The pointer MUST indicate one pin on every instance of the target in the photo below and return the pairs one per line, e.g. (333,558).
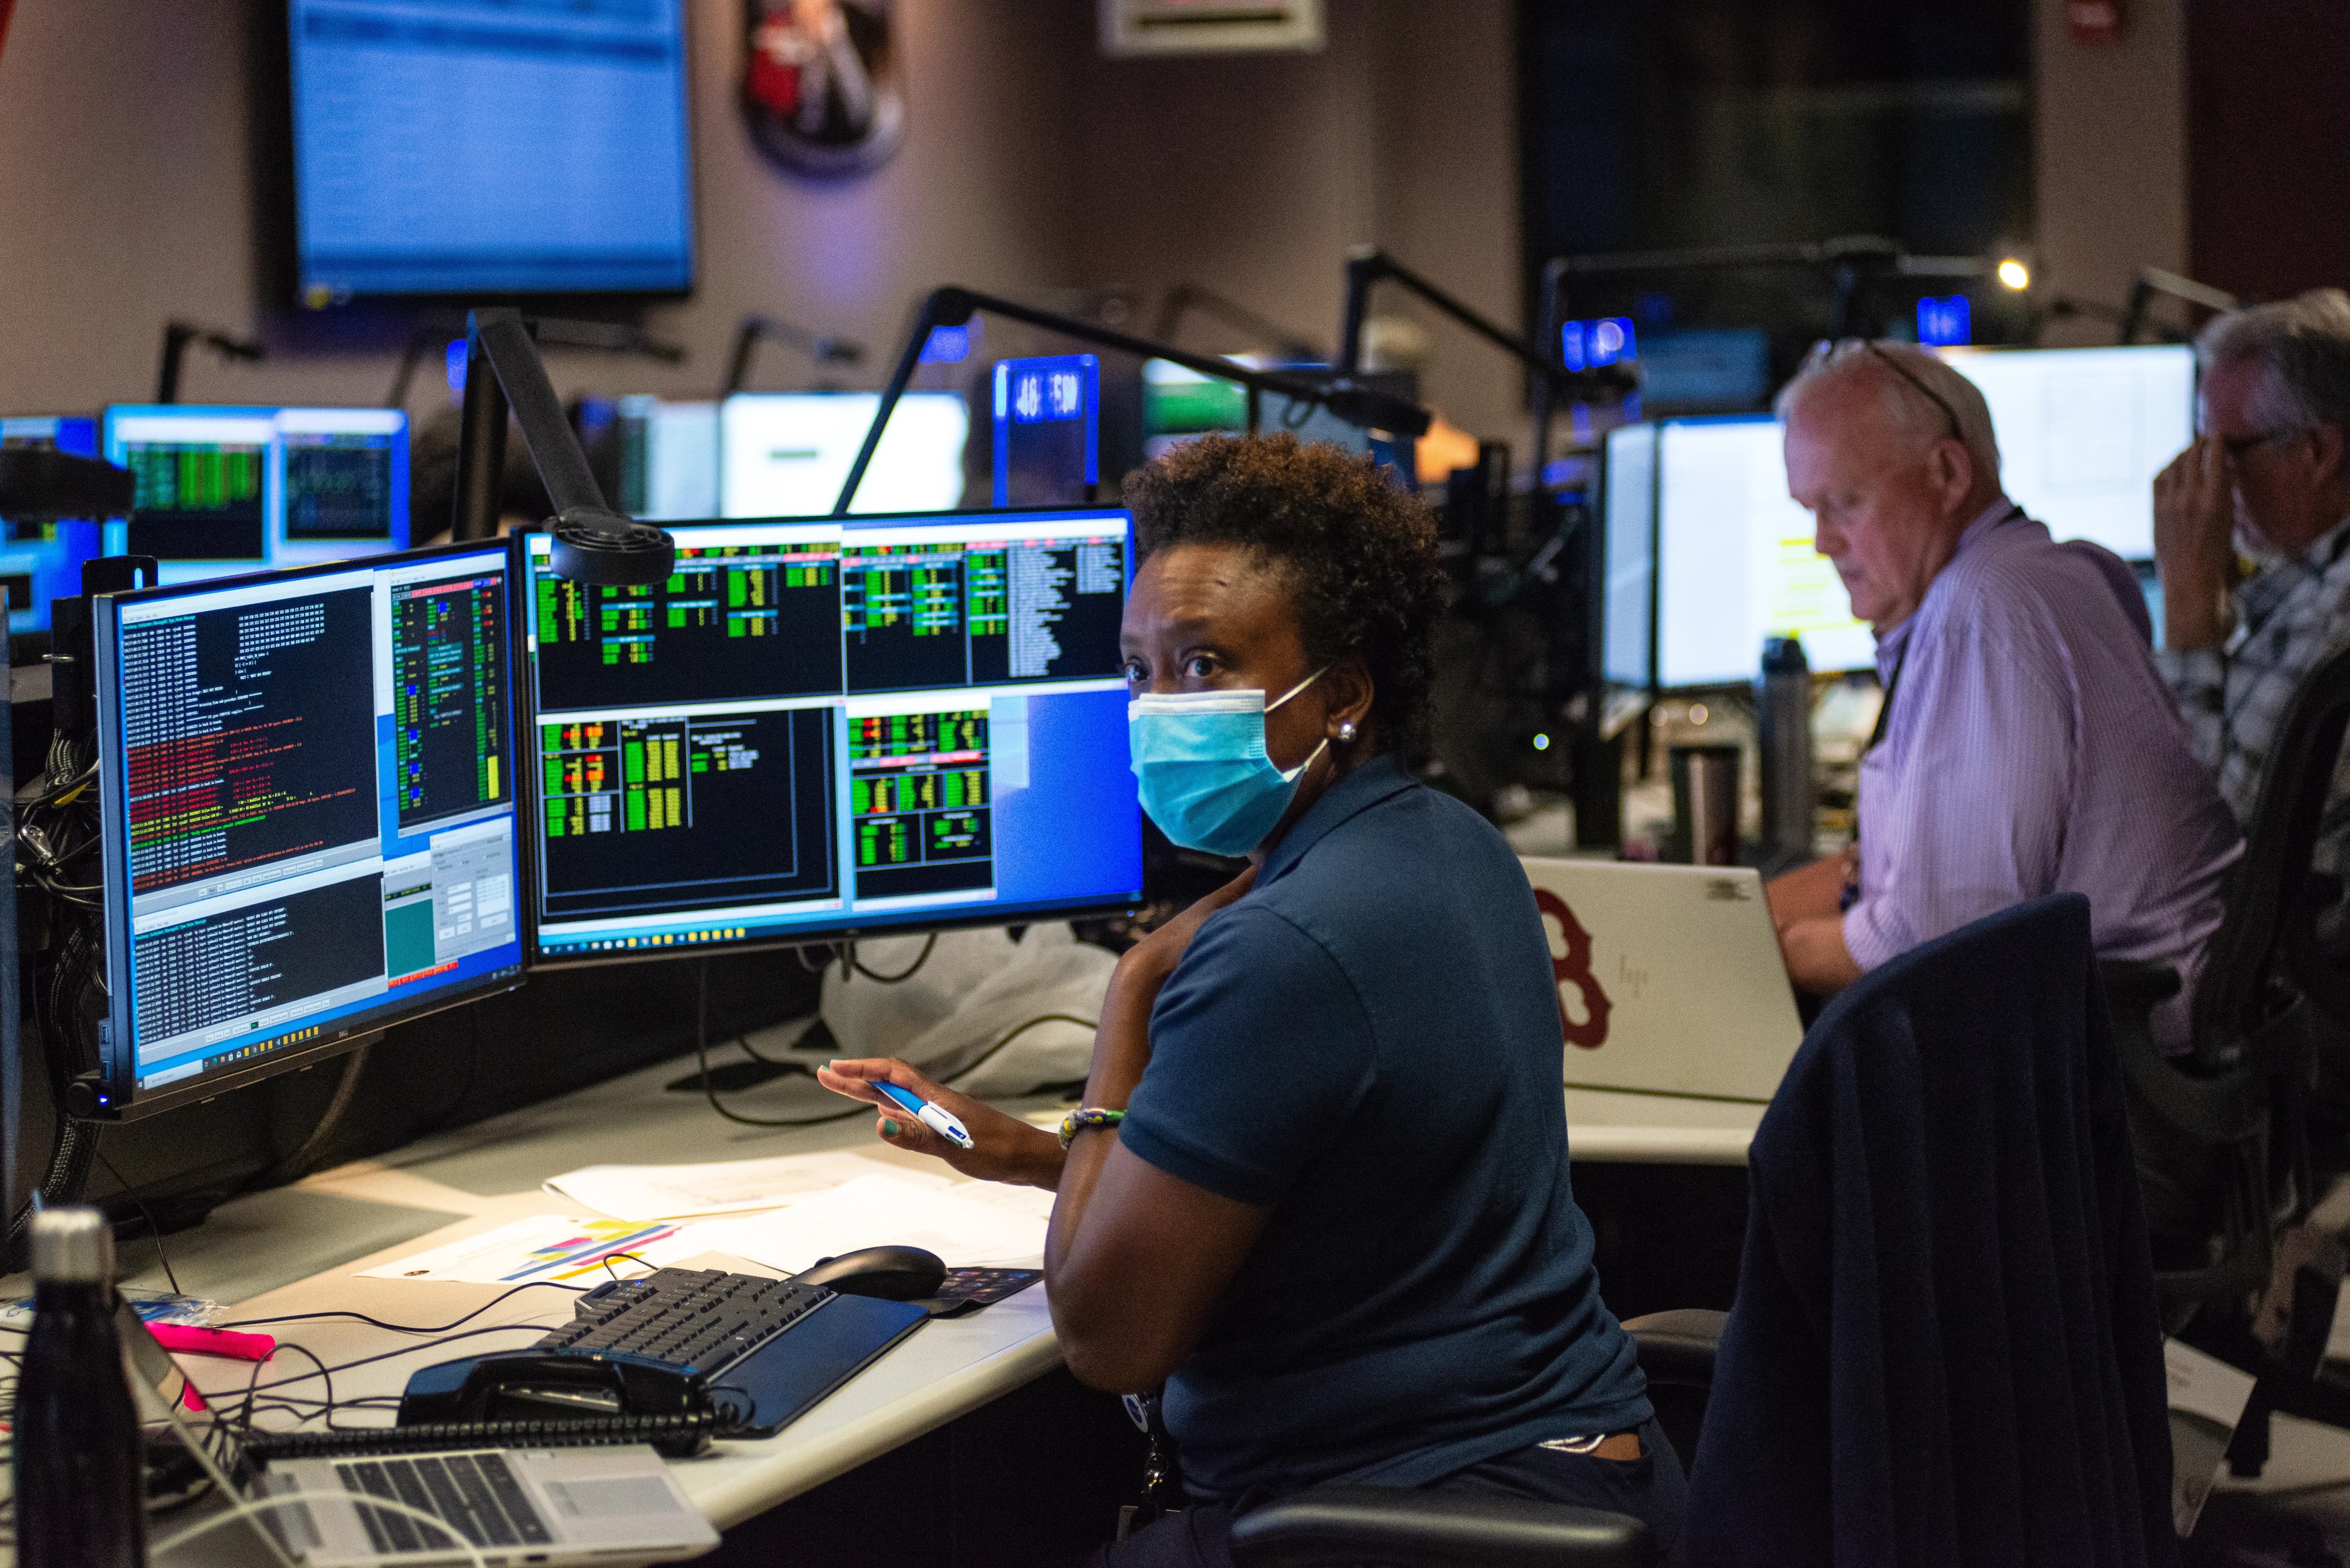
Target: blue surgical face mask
(1199,759)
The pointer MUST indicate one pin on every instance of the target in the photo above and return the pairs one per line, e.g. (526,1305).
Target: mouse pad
(974,1288)
(784,1379)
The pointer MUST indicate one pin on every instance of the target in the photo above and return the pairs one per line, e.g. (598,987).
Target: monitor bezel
(118,1053)
(813,936)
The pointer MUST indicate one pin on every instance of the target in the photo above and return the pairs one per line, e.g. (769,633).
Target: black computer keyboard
(699,1322)
(678,1434)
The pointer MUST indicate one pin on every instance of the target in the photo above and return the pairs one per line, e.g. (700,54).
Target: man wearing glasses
(2268,475)
(2027,745)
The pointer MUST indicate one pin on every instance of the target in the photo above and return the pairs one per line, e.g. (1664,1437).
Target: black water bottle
(80,1480)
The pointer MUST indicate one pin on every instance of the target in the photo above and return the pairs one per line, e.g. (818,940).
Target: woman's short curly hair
(1359,553)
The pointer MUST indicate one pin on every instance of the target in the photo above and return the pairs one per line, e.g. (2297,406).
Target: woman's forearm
(1121,1051)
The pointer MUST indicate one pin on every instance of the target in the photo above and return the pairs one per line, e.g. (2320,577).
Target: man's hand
(1817,960)
(1008,1149)
(2194,544)
(1811,892)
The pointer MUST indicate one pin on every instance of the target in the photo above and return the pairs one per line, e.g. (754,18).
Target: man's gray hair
(1909,381)
(2303,345)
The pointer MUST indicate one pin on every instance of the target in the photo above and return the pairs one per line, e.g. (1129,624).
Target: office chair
(1922,1089)
(2222,1133)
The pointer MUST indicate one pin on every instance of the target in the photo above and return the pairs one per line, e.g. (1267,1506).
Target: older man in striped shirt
(2028,745)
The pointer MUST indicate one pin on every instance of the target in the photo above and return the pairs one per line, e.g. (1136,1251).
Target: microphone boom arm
(951,307)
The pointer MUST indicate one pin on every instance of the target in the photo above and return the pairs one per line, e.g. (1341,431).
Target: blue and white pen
(932,1116)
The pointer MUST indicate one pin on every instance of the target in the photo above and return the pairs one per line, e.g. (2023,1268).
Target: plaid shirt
(2289,618)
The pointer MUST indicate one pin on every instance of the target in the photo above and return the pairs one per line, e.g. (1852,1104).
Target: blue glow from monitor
(1945,322)
(42,561)
(949,344)
(1048,429)
(1589,345)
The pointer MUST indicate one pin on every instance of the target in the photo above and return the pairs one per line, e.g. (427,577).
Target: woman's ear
(1349,697)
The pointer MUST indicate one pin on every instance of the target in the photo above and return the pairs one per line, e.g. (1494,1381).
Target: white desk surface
(301,1249)
(1618,1127)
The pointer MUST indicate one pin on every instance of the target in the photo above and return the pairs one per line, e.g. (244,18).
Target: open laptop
(551,1506)
(1669,978)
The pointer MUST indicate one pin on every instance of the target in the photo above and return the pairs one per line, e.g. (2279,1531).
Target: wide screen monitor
(2083,431)
(489,147)
(40,559)
(1628,517)
(1736,563)
(307,787)
(815,729)
(233,490)
(786,454)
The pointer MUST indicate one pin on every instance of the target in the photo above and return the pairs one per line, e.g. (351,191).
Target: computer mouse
(890,1273)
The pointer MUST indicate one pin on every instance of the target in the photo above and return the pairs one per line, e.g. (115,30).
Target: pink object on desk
(213,1341)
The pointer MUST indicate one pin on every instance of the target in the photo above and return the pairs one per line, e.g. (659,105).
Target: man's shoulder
(2027,584)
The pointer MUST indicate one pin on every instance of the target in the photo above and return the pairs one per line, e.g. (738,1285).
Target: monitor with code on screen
(309,796)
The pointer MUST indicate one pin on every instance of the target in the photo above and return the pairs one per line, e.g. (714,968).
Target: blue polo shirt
(1368,1045)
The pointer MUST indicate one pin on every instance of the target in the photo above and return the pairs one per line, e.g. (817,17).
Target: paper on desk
(966,1225)
(729,1187)
(544,1247)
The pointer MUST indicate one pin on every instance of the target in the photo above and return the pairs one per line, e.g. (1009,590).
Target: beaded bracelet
(1078,1120)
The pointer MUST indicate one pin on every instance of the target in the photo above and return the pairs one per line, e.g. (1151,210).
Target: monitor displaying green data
(816,728)
(226,490)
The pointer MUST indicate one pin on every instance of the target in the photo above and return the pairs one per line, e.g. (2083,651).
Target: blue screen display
(490,146)
(40,561)
(1048,430)
(820,727)
(309,797)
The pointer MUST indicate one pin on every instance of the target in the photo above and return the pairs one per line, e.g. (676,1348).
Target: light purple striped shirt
(2033,749)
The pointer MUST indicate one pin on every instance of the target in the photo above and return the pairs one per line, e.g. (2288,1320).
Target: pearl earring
(1345,731)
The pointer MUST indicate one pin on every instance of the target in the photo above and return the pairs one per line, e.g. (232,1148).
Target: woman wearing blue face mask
(1319,1184)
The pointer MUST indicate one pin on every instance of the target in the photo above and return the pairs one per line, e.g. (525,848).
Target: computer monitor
(1734,560)
(2083,431)
(818,728)
(1180,403)
(482,147)
(40,559)
(786,454)
(669,459)
(232,490)
(1628,489)
(308,785)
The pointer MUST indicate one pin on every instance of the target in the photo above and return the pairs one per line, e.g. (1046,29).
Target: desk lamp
(819,347)
(593,544)
(548,332)
(1339,391)
(179,335)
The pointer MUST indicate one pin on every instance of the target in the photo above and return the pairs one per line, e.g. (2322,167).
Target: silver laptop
(536,1505)
(1669,978)
(552,1506)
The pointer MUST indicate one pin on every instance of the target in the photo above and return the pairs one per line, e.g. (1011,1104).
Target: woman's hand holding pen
(1003,1147)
